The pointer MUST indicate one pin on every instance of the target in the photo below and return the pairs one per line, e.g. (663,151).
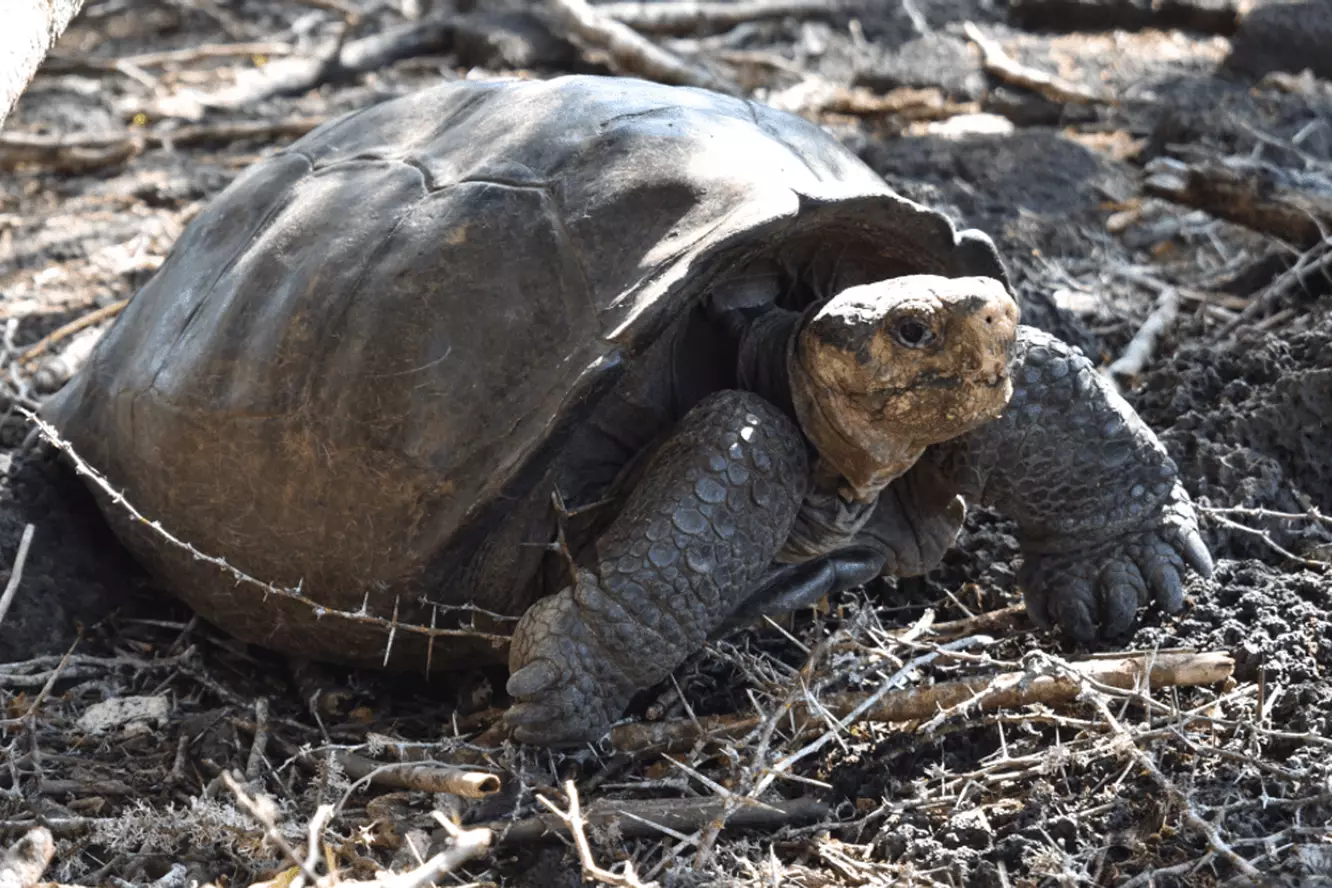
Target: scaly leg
(695,537)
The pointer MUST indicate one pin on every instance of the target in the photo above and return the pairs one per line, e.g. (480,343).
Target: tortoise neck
(763,356)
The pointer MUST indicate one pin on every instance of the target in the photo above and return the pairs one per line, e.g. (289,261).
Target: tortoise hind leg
(695,537)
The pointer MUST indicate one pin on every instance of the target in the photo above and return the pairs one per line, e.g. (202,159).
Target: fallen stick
(74,326)
(297,75)
(420,776)
(629,51)
(63,64)
(1002,691)
(1293,206)
(642,819)
(75,154)
(1313,263)
(573,822)
(1008,69)
(31,29)
(16,572)
(689,16)
(1143,344)
(1004,621)
(815,95)
(26,860)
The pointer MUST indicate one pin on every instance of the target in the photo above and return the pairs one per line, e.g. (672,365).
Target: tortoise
(583,371)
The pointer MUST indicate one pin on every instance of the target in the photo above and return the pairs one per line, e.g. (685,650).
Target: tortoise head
(883,370)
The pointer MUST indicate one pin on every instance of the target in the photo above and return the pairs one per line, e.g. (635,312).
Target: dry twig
(420,776)
(1191,816)
(688,16)
(573,821)
(987,692)
(1143,344)
(631,52)
(652,818)
(16,572)
(69,64)
(1008,69)
(74,326)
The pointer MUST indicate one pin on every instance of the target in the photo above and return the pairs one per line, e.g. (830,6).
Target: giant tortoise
(619,363)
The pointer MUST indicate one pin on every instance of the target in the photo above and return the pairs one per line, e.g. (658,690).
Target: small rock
(962,125)
(970,829)
(108,714)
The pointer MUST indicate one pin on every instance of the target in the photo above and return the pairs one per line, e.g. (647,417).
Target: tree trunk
(31,29)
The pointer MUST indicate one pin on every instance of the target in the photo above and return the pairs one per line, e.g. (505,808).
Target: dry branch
(1143,345)
(16,573)
(23,864)
(296,75)
(689,16)
(642,819)
(66,64)
(1003,691)
(31,29)
(1294,206)
(573,821)
(1004,621)
(93,317)
(420,776)
(1008,69)
(816,95)
(76,154)
(629,51)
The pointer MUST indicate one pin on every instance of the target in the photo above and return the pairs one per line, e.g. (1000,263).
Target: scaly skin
(1105,525)
(695,536)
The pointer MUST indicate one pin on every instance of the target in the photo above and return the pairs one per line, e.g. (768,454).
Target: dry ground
(1228,782)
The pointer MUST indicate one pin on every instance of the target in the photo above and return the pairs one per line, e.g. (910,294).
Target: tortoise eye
(913,333)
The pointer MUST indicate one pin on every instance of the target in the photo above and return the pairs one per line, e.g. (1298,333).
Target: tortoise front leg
(1104,523)
(695,537)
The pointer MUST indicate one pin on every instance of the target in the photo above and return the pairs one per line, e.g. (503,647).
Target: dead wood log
(692,16)
(31,29)
(76,154)
(641,819)
(1002,691)
(1001,65)
(25,861)
(629,51)
(1293,206)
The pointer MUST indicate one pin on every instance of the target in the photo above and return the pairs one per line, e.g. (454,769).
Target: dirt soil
(1227,783)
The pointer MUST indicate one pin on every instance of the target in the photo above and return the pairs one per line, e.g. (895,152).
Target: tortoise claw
(1098,591)
(535,677)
